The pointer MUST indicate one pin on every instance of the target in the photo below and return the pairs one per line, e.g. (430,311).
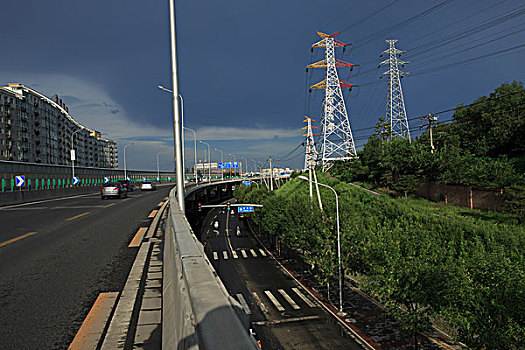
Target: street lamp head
(303,178)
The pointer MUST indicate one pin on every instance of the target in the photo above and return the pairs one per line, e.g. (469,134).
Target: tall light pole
(176,119)
(254,165)
(338,244)
(125,171)
(182,125)
(195,152)
(73,155)
(158,171)
(222,161)
(246,165)
(209,160)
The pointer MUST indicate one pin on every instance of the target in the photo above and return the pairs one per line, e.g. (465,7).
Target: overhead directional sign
(245,209)
(76,180)
(246,183)
(106,179)
(228,165)
(20,181)
(235,164)
(220,165)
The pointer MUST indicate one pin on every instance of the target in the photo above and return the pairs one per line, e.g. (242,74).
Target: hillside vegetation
(423,261)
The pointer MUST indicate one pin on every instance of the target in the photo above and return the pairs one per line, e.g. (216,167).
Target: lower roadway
(283,314)
(56,256)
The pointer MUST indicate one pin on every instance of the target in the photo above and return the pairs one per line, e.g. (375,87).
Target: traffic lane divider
(77,216)
(137,239)
(91,330)
(12,240)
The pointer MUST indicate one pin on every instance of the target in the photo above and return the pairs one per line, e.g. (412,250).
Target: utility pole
(336,140)
(430,118)
(309,159)
(396,113)
(271,174)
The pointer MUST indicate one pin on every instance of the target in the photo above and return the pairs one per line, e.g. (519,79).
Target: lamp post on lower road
(231,169)
(209,160)
(338,244)
(222,161)
(246,165)
(73,156)
(125,171)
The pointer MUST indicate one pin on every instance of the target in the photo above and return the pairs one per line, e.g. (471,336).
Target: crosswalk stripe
(215,256)
(302,296)
(225,254)
(288,299)
(234,253)
(274,300)
(263,253)
(253,253)
(244,253)
(243,304)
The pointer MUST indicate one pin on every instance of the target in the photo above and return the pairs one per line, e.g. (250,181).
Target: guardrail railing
(197,312)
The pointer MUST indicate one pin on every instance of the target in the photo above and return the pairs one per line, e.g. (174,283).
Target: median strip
(77,216)
(89,334)
(12,240)
(135,242)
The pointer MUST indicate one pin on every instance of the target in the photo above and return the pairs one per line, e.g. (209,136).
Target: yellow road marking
(108,205)
(165,198)
(152,214)
(93,326)
(77,216)
(17,238)
(135,242)
(160,204)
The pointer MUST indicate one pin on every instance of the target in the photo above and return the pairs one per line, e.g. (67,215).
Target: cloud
(232,133)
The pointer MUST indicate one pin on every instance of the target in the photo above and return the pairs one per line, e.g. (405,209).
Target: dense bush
(421,261)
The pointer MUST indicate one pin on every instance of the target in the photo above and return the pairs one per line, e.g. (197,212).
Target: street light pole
(222,161)
(209,160)
(73,156)
(338,244)
(176,119)
(231,169)
(246,166)
(125,171)
(158,171)
(195,152)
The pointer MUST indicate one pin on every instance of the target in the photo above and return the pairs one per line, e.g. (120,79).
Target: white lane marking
(253,253)
(259,303)
(48,200)
(215,217)
(225,254)
(263,253)
(274,300)
(244,255)
(302,296)
(234,253)
(215,256)
(288,299)
(243,304)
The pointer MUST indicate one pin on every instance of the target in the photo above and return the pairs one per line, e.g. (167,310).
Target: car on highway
(128,185)
(113,189)
(148,186)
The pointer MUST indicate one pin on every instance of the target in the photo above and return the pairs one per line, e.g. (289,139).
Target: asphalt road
(283,315)
(56,256)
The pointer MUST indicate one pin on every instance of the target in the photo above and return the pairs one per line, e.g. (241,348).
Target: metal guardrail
(197,312)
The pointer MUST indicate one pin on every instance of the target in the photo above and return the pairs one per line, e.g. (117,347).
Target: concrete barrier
(197,312)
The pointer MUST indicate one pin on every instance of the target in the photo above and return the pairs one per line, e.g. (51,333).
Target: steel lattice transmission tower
(310,155)
(336,141)
(396,114)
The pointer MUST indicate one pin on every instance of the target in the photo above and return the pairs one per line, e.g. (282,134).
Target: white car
(148,186)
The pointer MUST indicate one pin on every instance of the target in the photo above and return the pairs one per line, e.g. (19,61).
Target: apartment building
(38,129)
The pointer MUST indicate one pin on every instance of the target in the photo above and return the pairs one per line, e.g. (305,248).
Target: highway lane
(282,313)
(56,256)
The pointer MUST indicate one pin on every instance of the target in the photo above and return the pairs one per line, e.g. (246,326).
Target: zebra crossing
(279,299)
(245,253)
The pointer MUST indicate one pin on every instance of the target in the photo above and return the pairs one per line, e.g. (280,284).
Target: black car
(128,185)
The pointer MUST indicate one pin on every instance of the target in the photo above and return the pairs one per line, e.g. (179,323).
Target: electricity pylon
(336,140)
(396,114)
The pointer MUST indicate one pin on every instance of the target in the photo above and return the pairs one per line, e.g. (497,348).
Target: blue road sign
(245,209)
(106,179)
(220,165)
(20,181)
(246,183)
(143,179)
(228,165)
(76,180)
(235,164)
